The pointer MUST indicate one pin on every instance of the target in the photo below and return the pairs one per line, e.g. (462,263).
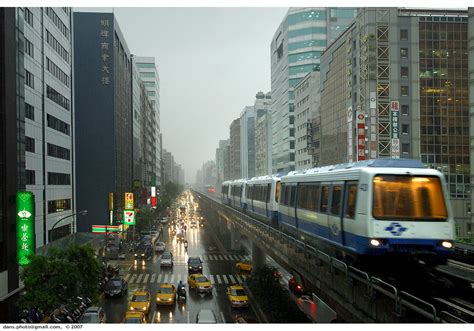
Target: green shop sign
(25,226)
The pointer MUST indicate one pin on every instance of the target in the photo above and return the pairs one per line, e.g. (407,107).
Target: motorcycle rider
(181,290)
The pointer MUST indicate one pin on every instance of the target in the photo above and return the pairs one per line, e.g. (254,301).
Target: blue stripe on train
(273,215)
(360,244)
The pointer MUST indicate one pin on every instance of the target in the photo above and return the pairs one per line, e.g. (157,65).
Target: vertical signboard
(153,197)
(360,136)
(128,200)
(395,143)
(105,51)
(111,208)
(129,217)
(25,226)
(350,136)
(373,125)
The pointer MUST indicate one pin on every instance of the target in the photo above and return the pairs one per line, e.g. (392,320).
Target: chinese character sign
(360,136)
(104,48)
(128,200)
(395,113)
(25,226)
(129,217)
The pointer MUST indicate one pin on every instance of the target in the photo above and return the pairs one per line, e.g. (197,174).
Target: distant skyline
(211,63)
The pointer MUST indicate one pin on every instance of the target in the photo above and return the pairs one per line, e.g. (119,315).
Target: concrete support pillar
(235,243)
(258,257)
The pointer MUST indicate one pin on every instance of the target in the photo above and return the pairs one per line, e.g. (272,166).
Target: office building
(104,118)
(220,160)
(295,50)
(234,150)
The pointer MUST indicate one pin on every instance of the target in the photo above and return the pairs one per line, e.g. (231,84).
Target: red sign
(153,201)
(360,136)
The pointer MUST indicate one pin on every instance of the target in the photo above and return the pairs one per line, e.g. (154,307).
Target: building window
(59,152)
(57,72)
(56,178)
(57,124)
(404,91)
(405,148)
(57,46)
(57,97)
(29,144)
(30,177)
(29,49)
(28,16)
(57,21)
(29,111)
(403,34)
(404,72)
(405,109)
(56,206)
(404,53)
(405,129)
(29,79)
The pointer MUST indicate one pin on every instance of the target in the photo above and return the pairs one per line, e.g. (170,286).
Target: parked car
(93,315)
(160,246)
(194,265)
(206,316)
(116,286)
(166,259)
(295,287)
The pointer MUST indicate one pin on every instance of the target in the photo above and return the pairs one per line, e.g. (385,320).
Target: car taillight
(298,287)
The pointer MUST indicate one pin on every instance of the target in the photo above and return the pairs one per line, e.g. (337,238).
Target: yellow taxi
(237,296)
(244,265)
(134,317)
(140,302)
(200,283)
(166,294)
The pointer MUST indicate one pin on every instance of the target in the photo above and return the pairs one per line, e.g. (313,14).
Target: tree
(60,277)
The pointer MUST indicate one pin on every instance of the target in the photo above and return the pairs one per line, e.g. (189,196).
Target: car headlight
(190,267)
(131,308)
(170,299)
(158,299)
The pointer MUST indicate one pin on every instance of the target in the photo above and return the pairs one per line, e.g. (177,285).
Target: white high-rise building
(295,50)
(151,79)
(49,120)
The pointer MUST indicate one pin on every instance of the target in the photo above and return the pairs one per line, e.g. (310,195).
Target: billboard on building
(25,226)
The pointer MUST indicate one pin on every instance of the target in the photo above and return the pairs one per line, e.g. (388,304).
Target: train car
(382,207)
(225,194)
(237,194)
(262,195)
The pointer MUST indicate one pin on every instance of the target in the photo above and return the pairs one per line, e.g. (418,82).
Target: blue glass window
(314,15)
(304,56)
(303,69)
(306,31)
(146,65)
(343,13)
(306,43)
(293,82)
(291,95)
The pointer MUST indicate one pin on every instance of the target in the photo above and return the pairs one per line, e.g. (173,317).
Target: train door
(324,209)
(267,200)
(335,212)
(292,205)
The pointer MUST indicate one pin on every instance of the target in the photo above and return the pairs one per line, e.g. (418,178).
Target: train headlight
(447,244)
(375,242)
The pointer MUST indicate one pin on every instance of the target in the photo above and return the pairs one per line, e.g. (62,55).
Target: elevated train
(373,208)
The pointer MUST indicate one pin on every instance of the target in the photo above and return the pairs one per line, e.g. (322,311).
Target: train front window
(411,198)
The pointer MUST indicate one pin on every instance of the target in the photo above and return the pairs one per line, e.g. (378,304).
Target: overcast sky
(211,63)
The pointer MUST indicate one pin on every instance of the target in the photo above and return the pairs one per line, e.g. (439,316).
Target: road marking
(220,257)
(212,279)
(172,278)
(226,258)
(133,278)
(218,279)
(127,276)
(139,278)
(210,257)
(153,318)
(159,278)
(239,280)
(153,277)
(232,279)
(223,319)
(165,278)
(225,279)
(145,280)
(240,257)
(287,279)
(187,317)
(214,292)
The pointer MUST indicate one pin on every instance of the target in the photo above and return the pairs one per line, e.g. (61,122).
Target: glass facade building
(295,50)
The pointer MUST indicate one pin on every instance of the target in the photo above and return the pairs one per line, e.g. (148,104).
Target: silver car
(93,315)
(166,259)
(160,246)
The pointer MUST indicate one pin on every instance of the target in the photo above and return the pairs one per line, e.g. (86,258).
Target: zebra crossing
(172,278)
(224,257)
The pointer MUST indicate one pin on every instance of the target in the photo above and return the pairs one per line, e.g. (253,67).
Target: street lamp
(82,212)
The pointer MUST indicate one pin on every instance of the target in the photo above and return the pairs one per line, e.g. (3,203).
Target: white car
(164,220)
(166,260)
(160,246)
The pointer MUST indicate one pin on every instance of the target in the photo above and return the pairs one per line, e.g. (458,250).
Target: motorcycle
(181,293)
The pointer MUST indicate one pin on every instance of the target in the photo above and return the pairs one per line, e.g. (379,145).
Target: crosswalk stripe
(220,257)
(241,257)
(232,279)
(239,280)
(211,257)
(153,277)
(225,279)
(235,257)
(244,277)
(172,278)
(139,278)
(218,279)
(287,279)
(159,278)
(165,278)
(226,258)
(212,279)
(133,278)
(145,280)
(127,277)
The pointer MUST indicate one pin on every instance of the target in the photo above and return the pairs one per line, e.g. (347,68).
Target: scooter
(181,294)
